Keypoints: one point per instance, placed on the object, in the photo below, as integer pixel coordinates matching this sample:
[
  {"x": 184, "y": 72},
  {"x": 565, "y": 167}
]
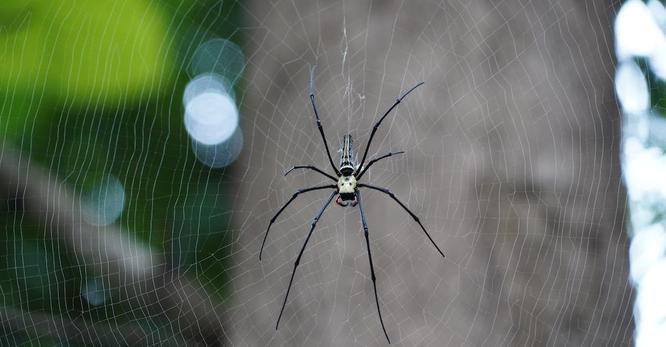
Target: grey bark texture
[{"x": 511, "y": 162}]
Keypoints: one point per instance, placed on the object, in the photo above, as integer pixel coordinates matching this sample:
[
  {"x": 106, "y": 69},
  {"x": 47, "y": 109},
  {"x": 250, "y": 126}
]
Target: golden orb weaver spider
[{"x": 347, "y": 188}]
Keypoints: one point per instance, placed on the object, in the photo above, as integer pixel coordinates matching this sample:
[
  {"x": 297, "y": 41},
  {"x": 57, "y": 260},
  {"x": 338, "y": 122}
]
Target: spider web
[{"x": 511, "y": 162}]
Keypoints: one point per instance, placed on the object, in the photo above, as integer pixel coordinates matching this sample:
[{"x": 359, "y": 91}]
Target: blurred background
[{"x": 143, "y": 145}]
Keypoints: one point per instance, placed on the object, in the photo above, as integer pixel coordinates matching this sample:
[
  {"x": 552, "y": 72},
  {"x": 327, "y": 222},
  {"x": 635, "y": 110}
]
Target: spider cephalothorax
[{"x": 347, "y": 188}]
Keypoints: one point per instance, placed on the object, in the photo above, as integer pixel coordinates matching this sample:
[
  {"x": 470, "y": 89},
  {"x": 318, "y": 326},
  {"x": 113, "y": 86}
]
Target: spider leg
[
  {"x": 298, "y": 192},
  {"x": 374, "y": 128},
  {"x": 321, "y": 129},
  {"x": 416, "y": 219},
  {"x": 300, "y": 254},
  {"x": 363, "y": 170},
  {"x": 372, "y": 268},
  {"x": 314, "y": 168}
]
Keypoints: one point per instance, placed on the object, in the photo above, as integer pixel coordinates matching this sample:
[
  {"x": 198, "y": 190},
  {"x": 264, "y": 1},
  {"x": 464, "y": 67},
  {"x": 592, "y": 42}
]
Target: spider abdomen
[{"x": 347, "y": 156}]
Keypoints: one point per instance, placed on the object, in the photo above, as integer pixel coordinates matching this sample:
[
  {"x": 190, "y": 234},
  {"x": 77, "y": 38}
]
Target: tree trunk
[{"x": 511, "y": 162}]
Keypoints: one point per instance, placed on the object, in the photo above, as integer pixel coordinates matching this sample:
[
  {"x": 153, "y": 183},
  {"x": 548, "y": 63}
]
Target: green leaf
[{"x": 83, "y": 51}]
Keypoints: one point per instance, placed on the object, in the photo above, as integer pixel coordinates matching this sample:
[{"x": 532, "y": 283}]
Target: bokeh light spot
[
  {"x": 211, "y": 117},
  {"x": 631, "y": 88},
  {"x": 94, "y": 292},
  {"x": 636, "y": 31},
  {"x": 208, "y": 82},
  {"x": 648, "y": 247},
  {"x": 219, "y": 56},
  {"x": 104, "y": 202},
  {"x": 220, "y": 155}
]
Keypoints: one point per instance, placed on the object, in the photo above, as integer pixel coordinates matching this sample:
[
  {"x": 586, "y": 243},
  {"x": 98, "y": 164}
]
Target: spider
[{"x": 347, "y": 188}]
